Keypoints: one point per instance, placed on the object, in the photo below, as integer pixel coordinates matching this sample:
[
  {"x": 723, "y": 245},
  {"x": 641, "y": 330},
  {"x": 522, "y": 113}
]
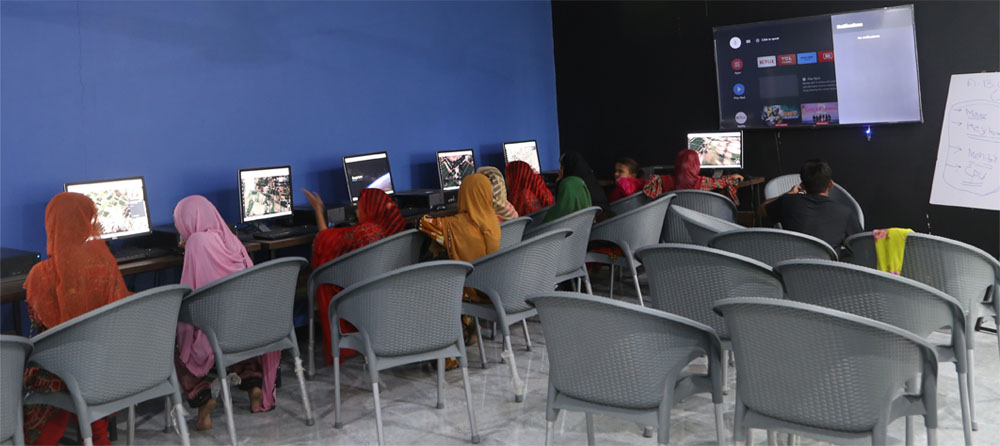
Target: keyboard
[
  {"x": 410, "y": 212},
  {"x": 127, "y": 255},
  {"x": 285, "y": 233}
]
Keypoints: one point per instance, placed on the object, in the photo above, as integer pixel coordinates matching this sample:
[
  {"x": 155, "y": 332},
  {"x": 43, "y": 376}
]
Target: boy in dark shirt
[{"x": 807, "y": 207}]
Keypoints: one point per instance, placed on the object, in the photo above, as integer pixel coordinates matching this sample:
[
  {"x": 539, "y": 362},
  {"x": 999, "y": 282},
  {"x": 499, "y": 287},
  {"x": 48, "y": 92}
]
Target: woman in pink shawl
[{"x": 211, "y": 253}]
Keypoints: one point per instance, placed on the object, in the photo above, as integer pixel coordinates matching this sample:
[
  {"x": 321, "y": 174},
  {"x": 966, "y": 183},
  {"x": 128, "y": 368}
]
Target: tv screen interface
[
  {"x": 367, "y": 172},
  {"x": 265, "y": 193},
  {"x": 718, "y": 150},
  {"x": 852, "y": 68},
  {"x": 453, "y": 166},
  {"x": 121, "y": 205}
]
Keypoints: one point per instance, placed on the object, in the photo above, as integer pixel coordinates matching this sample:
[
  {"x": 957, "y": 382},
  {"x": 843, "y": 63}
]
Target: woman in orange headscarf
[
  {"x": 80, "y": 275},
  {"x": 687, "y": 166}
]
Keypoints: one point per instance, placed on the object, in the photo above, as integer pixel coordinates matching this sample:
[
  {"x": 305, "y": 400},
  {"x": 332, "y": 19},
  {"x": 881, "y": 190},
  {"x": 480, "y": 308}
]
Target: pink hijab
[{"x": 211, "y": 252}]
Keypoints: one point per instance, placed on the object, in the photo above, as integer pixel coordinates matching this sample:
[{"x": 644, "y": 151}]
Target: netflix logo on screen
[
  {"x": 826, "y": 56},
  {"x": 766, "y": 61},
  {"x": 786, "y": 59}
]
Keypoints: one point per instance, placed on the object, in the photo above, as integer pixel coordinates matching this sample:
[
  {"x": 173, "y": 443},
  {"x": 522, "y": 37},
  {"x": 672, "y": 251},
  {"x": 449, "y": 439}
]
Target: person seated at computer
[
  {"x": 526, "y": 190},
  {"x": 572, "y": 164},
  {"x": 504, "y": 210},
  {"x": 687, "y": 165},
  {"x": 79, "y": 276},
  {"x": 628, "y": 179},
  {"x": 807, "y": 207},
  {"x": 378, "y": 217},
  {"x": 468, "y": 235},
  {"x": 572, "y": 195},
  {"x": 211, "y": 252}
]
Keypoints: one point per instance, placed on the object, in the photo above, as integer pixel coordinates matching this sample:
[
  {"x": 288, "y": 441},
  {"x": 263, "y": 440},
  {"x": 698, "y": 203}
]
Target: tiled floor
[{"x": 409, "y": 396}]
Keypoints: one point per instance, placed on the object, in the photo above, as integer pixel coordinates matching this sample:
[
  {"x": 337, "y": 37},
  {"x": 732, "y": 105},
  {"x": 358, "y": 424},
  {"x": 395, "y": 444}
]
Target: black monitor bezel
[
  {"x": 742, "y": 147},
  {"x": 145, "y": 200},
  {"x": 506, "y": 159},
  {"x": 437, "y": 165},
  {"x": 239, "y": 193},
  {"x": 343, "y": 161}
]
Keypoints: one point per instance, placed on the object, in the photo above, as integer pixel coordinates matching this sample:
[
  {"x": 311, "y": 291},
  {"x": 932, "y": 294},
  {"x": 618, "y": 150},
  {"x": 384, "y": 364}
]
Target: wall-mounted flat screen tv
[{"x": 851, "y": 68}]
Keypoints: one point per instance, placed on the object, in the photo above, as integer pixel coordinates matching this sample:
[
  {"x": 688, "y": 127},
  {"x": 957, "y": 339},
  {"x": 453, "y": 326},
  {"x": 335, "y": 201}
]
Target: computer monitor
[
  {"x": 368, "y": 171},
  {"x": 453, "y": 166},
  {"x": 526, "y": 151},
  {"x": 121, "y": 204},
  {"x": 718, "y": 150},
  {"x": 265, "y": 193}
]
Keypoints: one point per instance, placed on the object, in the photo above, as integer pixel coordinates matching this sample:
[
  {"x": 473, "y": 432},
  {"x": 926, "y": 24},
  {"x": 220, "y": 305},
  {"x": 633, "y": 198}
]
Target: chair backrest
[
  {"x": 687, "y": 280},
  {"x": 521, "y": 270},
  {"x": 861, "y": 249},
  {"x": 706, "y": 202},
  {"x": 575, "y": 247},
  {"x": 393, "y": 252},
  {"x": 537, "y": 218},
  {"x": 251, "y": 308},
  {"x": 14, "y": 351},
  {"x": 700, "y": 227},
  {"x": 638, "y": 227},
  {"x": 413, "y": 309},
  {"x": 820, "y": 367},
  {"x": 630, "y": 202},
  {"x": 870, "y": 293},
  {"x": 772, "y": 246},
  {"x": 512, "y": 230},
  {"x": 624, "y": 355},
  {"x": 117, "y": 350},
  {"x": 784, "y": 183}
]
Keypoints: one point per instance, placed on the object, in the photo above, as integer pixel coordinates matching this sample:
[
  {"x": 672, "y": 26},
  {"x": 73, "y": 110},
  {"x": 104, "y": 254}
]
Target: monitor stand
[{"x": 717, "y": 173}]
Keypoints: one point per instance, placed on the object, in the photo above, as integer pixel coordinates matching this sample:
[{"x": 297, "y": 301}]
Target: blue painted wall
[{"x": 186, "y": 93}]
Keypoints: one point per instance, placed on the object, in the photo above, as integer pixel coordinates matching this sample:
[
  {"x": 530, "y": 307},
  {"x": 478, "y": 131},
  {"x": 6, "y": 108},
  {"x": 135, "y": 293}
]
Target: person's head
[
  {"x": 194, "y": 214},
  {"x": 626, "y": 167},
  {"x": 376, "y": 206},
  {"x": 519, "y": 174},
  {"x": 817, "y": 177},
  {"x": 70, "y": 219}
]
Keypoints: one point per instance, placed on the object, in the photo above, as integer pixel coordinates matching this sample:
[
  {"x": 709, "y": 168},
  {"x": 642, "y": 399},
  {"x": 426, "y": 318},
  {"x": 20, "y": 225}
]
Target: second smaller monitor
[
  {"x": 526, "y": 151},
  {"x": 718, "y": 150},
  {"x": 368, "y": 171},
  {"x": 453, "y": 166}
]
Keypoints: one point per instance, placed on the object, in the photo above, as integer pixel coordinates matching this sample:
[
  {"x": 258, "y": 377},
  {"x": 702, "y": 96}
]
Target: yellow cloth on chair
[{"x": 889, "y": 246}]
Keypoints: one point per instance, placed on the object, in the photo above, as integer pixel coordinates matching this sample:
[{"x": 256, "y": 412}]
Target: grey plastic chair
[
  {"x": 392, "y": 252},
  {"x": 888, "y": 298},
  {"x": 571, "y": 260},
  {"x": 706, "y": 202},
  {"x": 537, "y": 218},
  {"x": 781, "y": 185},
  {"x": 960, "y": 270},
  {"x": 113, "y": 358},
  {"x": 772, "y": 246},
  {"x": 408, "y": 315},
  {"x": 629, "y": 362},
  {"x": 848, "y": 377},
  {"x": 508, "y": 277},
  {"x": 700, "y": 227},
  {"x": 687, "y": 280},
  {"x": 512, "y": 230},
  {"x": 248, "y": 314},
  {"x": 14, "y": 351},
  {"x": 630, "y": 231},
  {"x": 630, "y": 202}
]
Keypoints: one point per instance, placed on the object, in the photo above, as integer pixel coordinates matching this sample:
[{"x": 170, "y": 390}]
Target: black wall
[{"x": 634, "y": 77}]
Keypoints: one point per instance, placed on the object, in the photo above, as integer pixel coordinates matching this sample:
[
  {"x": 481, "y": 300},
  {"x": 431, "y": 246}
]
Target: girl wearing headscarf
[
  {"x": 504, "y": 210},
  {"x": 211, "y": 252},
  {"x": 527, "y": 191},
  {"x": 571, "y": 197},
  {"x": 378, "y": 217},
  {"x": 687, "y": 165},
  {"x": 572, "y": 164},
  {"x": 79, "y": 276},
  {"x": 628, "y": 179}
]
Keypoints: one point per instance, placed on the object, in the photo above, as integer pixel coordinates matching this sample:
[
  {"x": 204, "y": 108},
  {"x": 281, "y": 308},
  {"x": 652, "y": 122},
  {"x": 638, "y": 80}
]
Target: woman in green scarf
[{"x": 572, "y": 196}]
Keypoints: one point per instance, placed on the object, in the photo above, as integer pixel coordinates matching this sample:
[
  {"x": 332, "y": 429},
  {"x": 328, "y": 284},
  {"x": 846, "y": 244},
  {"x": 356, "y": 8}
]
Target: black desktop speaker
[
  {"x": 420, "y": 199},
  {"x": 16, "y": 263}
]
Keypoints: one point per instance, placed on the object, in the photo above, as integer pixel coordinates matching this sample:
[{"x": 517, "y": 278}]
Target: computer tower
[{"x": 16, "y": 263}]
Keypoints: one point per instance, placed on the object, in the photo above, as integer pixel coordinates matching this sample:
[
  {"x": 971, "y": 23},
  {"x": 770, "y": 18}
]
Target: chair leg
[
  {"x": 611, "y": 293},
  {"x": 468, "y": 404},
  {"x": 131, "y": 425},
  {"x": 638, "y": 291},
  {"x": 479, "y": 339},
  {"x": 178, "y": 411},
  {"x": 440, "y": 367},
  {"x": 311, "y": 347},
  {"x": 167, "y": 421},
  {"x": 227, "y": 402},
  {"x": 19, "y": 431},
  {"x": 516, "y": 382},
  {"x": 337, "y": 424},
  {"x": 586, "y": 282},
  {"x": 493, "y": 331},
  {"x": 647, "y": 431},
  {"x": 300, "y": 374},
  {"x": 911, "y": 387},
  {"x": 527, "y": 337},
  {"x": 963, "y": 395},
  {"x": 972, "y": 388},
  {"x": 790, "y": 440},
  {"x": 931, "y": 437},
  {"x": 719, "y": 434},
  {"x": 590, "y": 429},
  {"x": 772, "y": 438},
  {"x": 549, "y": 427},
  {"x": 378, "y": 412},
  {"x": 725, "y": 372}
]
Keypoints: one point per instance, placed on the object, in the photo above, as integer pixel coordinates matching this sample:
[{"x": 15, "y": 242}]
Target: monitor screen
[
  {"x": 369, "y": 171},
  {"x": 453, "y": 166},
  {"x": 121, "y": 204},
  {"x": 851, "y": 68},
  {"x": 718, "y": 150},
  {"x": 265, "y": 193},
  {"x": 526, "y": 151}
]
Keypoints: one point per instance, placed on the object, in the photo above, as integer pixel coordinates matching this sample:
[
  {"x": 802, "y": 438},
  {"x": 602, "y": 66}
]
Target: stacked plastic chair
[
  {"x": 512, "y": 230},
  {"x": 772, "y": 246},
  {"x": 571, "y": 260},
  {"x": 630, "y": 202},
  {"x": 705, "y": 202},
  {"x": 701, "y": 228}
]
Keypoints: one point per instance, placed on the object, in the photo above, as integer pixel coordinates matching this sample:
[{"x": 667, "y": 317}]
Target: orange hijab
[
  {"x": 80, "y": 274},
  {"x": 474, "y": 231}
]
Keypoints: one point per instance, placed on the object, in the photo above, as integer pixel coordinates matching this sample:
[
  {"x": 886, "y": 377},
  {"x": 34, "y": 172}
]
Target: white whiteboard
[{"x": 967, "y": 172}]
